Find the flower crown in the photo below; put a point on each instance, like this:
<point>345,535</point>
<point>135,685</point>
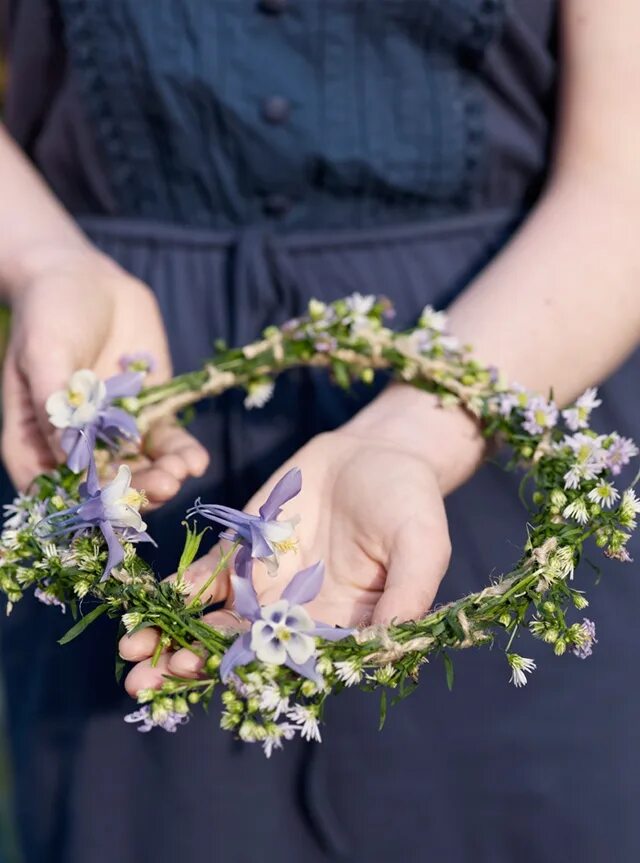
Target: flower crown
<point>74,539</point>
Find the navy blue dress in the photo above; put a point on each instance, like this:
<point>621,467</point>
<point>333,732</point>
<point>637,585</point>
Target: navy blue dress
<point>241,157</point>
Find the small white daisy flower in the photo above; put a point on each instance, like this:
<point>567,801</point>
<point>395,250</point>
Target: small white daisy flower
<point>604,494</point>
<point>259,394</point>
<point>520,667</point>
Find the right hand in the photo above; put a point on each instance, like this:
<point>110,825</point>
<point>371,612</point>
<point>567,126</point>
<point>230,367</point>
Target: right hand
<point>78,309</point>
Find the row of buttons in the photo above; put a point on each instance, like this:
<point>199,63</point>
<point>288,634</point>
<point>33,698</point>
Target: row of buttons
<point>275,110</point>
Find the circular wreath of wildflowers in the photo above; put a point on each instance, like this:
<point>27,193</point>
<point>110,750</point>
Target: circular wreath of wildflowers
<point>73,540</point>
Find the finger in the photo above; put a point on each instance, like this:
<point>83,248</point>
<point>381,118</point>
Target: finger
<point>418,559</point>
<point>25,449</point>
<point>186,663</point>
<point>145,676</point>
<point>171,442</point>
<point>45,374</point>
<point>200,572</point>
<point>158,485</point>
<point>140,645</point>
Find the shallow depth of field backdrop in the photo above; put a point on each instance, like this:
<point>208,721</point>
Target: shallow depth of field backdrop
<point>8,848</point>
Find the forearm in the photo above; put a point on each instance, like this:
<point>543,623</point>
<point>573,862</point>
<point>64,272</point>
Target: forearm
<point>560,307</point>
<point>34,228</point>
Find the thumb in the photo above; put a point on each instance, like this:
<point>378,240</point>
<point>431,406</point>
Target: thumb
<point>45,374</point>
<point>25,450</point>
<point>201,571</point>
<point>418,559</point>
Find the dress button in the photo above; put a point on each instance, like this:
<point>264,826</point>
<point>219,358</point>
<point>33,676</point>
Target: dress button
<point>276,109</point>
<point>273,6</point>
<point>277,204</point>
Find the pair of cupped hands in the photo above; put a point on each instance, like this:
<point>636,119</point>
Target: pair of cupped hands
<point>371,505</point>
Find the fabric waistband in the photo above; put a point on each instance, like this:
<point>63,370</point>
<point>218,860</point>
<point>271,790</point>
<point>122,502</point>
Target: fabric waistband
<point>146,232</point>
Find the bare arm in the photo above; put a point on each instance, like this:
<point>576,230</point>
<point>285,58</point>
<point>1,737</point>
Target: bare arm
<point>561,305</point>
<point>72,308</point>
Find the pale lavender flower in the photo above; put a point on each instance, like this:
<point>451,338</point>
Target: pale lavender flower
<point>168,720</point>
<point>620,453</point>
<point>587,639</point>
<point>49,599</point>
<point>85,413</point>
<point>140,361</point>
<point>262,537</point>
<point>539,416</point>
<point>590,458</point>
<point>281,633</point>
<point>113,510</point>
<point>577,416</point>
<point>325,344</point>
<point>516,397</point>
<point>16,514</point>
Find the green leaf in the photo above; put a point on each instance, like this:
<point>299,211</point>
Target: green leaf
<point>191,545</point>
<point>82,624</point>
<point>383,709</point>
<point>448,670</point>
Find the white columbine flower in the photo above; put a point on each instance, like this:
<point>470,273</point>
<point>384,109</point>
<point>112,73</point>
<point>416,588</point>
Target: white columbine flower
<point>283,632</point>
<point>604,494</point>
<point>306,720</point>
<point>577,416</point>
<point>520,667</point>
<point>122,503</point>
<point>259,394</point>
<point>80,403</point>
<point>348,671</point>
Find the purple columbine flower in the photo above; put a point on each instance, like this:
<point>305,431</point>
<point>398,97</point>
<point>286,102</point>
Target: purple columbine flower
<point>282,633</point>
<point>113,510</point>
<point>86,414</point>
<point>262,537</point>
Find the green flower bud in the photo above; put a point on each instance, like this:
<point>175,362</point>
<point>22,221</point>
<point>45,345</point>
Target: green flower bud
<point>212,664</point>
<point>308,688</point>
<point>560,647</point>
<point>193,697</point>
<point>367,376</point>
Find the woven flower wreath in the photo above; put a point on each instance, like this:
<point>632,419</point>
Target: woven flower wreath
<point>73,540</point>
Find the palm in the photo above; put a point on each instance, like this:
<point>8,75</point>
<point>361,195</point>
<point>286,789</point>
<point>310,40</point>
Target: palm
<point>361,503</point>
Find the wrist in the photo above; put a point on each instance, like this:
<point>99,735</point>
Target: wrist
<point>449,438</point>
<point>71,258</point>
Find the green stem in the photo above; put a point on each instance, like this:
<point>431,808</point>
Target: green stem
<point>222,563</point>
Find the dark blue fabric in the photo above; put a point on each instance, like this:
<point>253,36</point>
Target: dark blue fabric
<point>414,142</point>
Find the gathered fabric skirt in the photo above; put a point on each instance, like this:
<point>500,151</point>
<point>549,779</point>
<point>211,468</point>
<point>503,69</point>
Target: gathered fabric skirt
<point>485,773</point>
